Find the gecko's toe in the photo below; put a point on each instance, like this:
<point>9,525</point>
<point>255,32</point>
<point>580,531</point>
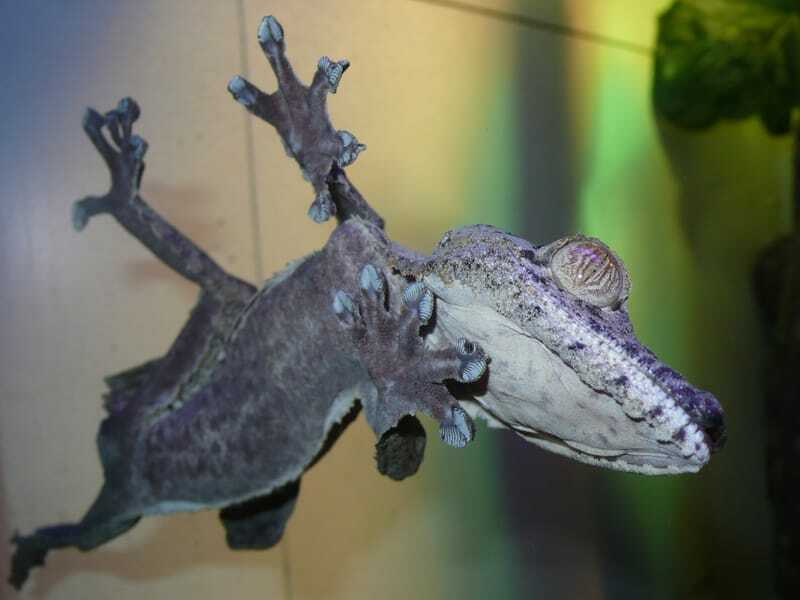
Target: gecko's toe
<point>473,361</point>
<point>345,308</point>
<point>128,110</point>
<point>270,30</point>
<point>333,71</point>
<point>457,429</point>
<point>322,208</point>
<point>80,216</point>
<point>420,298</point>
<point>371,281</point>
<point>114,127</point>
<point>242,91</point>
<point>351,148</point>
<point>92,120</point>
<point>138,147</point>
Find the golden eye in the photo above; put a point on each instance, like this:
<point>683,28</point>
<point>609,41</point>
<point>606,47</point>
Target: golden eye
<point>589,270</point>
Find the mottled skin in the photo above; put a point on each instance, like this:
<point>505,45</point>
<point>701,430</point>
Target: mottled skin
<point>259,383</point>
<point>629,410</point>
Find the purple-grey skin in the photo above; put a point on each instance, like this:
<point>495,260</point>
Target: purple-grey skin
<point>260,383</point>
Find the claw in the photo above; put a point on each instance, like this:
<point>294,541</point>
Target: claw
<point>270,30</point>
<point>333,71</point>
<point>371,281</point>
<point>351,148</point>
<point>457,430</point>
<point>417,294</point>
<point>473,361</point>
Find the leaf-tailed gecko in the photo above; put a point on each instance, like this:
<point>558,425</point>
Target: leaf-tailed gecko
<point>259,383</point>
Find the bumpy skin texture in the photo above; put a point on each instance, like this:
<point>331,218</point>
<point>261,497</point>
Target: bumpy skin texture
<point>259,384</point>
<point>565,374</point>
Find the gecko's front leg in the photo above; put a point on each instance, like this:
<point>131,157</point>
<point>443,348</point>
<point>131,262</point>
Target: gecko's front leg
<point>124,155</point>
<point>409,377</point>
<point>299,113</point>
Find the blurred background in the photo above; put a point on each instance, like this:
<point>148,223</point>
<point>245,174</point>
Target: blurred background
<point>534,116</point>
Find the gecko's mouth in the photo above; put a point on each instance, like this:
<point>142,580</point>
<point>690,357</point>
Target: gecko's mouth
<point>642,459</point>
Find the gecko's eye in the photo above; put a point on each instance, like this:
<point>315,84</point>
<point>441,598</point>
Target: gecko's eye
<point>589,270</point>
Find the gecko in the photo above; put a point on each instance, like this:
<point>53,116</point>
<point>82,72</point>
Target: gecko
<point>260,382</point>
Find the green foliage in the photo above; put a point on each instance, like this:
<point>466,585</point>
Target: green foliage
<point>728,59</point>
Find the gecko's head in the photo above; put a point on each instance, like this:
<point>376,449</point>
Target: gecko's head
<point>567,371</point>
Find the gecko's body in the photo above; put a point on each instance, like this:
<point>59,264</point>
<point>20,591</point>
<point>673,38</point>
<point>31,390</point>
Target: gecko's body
<point>281,378</point>
<point>259,383</point>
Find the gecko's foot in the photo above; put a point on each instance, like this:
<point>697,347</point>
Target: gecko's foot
<point>408,376</point>
<point>351,148</point>
<point>333,71</point>
<point>124,155</point>
<point>30,553</point>
<point>270,35</point>
<point>259,523</point>
<point>300,116</point>
<point>119,124</point>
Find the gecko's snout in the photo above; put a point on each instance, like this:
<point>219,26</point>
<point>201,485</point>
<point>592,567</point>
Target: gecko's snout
<point>714,428</point>
<point>706,412</point>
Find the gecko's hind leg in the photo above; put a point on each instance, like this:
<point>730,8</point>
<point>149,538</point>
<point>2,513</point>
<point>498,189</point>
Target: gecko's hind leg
<point>409,377</point>
<point>124,155</point>
<point>259,523</point>
<point>99,526</point>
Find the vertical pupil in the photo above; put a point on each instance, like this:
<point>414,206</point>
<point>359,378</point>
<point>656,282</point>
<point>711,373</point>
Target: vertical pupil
<point>589,264</point>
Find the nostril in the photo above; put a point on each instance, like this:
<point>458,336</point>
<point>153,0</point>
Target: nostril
<point>709,416</point>
<point>714,427</point>
<point>705,411</point>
